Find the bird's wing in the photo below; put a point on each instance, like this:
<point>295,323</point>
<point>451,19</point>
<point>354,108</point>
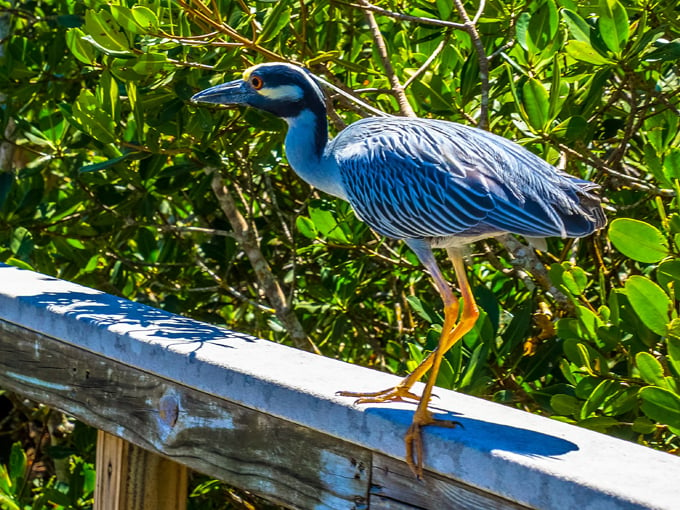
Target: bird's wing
<point>416,178</point>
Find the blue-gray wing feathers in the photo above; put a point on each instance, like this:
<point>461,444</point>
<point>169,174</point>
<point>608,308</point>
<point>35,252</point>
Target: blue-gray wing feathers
<point>422,178</point>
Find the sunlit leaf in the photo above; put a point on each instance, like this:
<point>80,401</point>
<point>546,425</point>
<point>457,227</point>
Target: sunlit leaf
<point>536,103</point>
<point>638,240</point>
<point>582,50</point>
<point>650,369</point>
<point>661,405</point>
<point>613,24</point>
<point>650,303</point>
<point>578,27</point>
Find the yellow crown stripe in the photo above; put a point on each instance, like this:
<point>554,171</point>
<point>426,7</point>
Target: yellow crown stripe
<point>248,72</point>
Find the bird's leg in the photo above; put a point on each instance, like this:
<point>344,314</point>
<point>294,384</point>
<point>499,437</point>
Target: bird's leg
<point>423,416</point>
<point>402,391</point>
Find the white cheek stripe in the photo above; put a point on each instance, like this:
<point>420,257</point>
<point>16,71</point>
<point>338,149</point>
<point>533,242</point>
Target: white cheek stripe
<point>282,92</point>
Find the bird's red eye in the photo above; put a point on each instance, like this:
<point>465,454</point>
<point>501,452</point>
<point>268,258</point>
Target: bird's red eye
<point>256,82</point>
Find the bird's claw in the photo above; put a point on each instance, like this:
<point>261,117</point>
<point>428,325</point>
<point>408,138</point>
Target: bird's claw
<point>414,439</point>
<point>396,394</point>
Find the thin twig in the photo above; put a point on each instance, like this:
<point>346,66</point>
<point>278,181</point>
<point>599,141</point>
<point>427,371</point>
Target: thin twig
<point>397,88</point>
<point>480,11</point>
<point>471,29</point>
<point>203,13</point>
<point>428,62</point>
<point>524,258</point>
<point>229,289</point>
<point>366,6</point>
<point>271,287</point>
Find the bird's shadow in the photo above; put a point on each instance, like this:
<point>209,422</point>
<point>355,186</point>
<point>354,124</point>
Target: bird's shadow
<point>484,436</point>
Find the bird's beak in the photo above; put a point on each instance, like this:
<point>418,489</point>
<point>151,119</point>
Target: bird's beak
<point>234,92</point>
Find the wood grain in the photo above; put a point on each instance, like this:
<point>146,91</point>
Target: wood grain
<point>131,478</point>
<point>284,462</point>
<point>279,460</point>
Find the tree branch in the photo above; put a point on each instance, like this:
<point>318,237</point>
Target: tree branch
<point>471,29</point>
<point>266,279</point>
<point>397,88</point>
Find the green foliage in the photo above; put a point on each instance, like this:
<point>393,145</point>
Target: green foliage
<point>72,485</point>
<point>104,183</point>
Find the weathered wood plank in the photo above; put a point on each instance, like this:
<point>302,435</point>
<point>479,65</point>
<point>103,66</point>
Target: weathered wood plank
<point>393,487</point>
<point>131,478</point>
<point>277,459</point>
<point>520,457</point>
<point>111,469</point>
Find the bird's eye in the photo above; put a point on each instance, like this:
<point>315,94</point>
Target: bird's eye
<point>256,82</point>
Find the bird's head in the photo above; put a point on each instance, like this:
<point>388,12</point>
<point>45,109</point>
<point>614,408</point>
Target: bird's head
<point>282,89</point>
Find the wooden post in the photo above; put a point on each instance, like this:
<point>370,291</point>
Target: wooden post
<point>131,478</point>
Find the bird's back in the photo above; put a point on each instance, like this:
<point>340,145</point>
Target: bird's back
<point>423,178</point>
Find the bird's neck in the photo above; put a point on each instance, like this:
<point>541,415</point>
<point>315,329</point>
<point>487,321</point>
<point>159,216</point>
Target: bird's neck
<point>306,143</point>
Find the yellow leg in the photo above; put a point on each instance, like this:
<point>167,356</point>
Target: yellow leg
<point>453,330</point>
<point>401,392</point>
<point>423,417</point>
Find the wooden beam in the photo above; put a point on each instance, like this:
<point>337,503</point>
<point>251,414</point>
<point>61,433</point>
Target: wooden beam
<point>266,418</point>
<point>277,459</point>
<point>131,478</point>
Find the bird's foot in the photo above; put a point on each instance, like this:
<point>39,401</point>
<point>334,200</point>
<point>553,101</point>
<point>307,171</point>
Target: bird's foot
<point>396,394</point>
<point>414,438</point>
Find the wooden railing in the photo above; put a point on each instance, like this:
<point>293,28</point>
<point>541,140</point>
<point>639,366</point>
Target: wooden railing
<point>169,393</point>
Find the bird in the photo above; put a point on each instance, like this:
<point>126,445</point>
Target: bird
<point>428,182</point>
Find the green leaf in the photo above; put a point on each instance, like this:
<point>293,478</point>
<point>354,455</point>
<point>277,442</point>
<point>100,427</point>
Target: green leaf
<point>423,310</point>
<point>543,26</point>
<point>575,279</point>
<point>673,341</point>
<point>445,8</point>
<point>17,465</point>
<point>578,27</point>
<point>521,28</point>
<point>671,163</point>
<point>145,18</point>
<point>81,49</point>
<point>613,24</point>
<point>123,16</point>
<point>150,63</point>
<point>536,103</point>
<point>583,51</point>
<point>668,274</point>
<point>565,405</point>
<point>129,154</point>
<point>643,425</point>
<point>105,31</point>
<point>326,223</point>
<point>599,423</point>
<point>276,20</point>
<point>583,355</point>
<point>603,391</point>
<point>92,118</point>
<point>22,243</point>
<point>650,369</point>
<point>571,129</point>
<point>638,240</point>
<point>306,227</point>
<point>661,405</point>
<point>18,263</point>
<point>651,304</point>
<point>668,51</point>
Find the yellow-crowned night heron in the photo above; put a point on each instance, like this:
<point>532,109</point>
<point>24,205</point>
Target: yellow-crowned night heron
<point>429,182</point>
